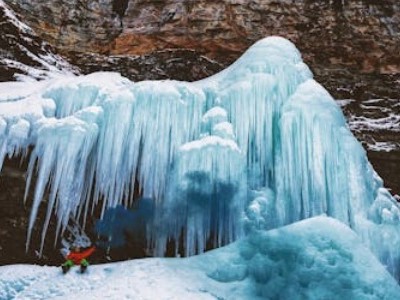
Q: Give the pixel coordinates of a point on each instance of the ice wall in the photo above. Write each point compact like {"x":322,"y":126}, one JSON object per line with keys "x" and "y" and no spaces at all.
{"x":259,"y":145}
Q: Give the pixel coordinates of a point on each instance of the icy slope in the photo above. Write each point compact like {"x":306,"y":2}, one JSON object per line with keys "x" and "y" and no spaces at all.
{"x":318,"y":258}
{"x":261,"y":137}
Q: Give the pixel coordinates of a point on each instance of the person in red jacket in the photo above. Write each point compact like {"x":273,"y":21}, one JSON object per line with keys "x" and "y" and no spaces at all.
{"x":77,"y":257}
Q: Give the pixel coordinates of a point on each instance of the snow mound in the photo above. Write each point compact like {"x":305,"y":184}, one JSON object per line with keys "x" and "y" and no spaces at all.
{"x":319,"y":258}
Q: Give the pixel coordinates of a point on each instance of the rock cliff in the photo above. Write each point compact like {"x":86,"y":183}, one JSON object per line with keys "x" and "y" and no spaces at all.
{"x":362,"y":35}
{"x":23,"y":55}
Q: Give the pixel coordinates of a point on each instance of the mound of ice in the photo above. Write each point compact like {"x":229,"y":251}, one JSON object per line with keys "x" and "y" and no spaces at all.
{"x":318,"y":258}
{"x":260,"y":138}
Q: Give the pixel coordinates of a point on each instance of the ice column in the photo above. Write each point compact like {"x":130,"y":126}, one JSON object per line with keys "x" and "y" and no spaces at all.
{"x":63,"y":156}
{"x":322,"y":168}
{"x":207,"y":190}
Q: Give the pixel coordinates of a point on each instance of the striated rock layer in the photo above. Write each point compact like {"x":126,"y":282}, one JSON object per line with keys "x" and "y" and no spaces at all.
{"x":363,"y":35}
{"x":23,"y":55}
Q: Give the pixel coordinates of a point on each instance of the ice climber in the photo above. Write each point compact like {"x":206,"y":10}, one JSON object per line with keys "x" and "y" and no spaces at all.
{"x":77,"y":257}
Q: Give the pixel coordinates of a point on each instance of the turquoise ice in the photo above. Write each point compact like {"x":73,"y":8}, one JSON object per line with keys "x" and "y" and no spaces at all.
{"x":258,"y":146}
{"x":314,"y":259}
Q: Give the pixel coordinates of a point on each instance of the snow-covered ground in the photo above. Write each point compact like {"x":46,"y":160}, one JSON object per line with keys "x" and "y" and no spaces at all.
{"x":319,"y":258}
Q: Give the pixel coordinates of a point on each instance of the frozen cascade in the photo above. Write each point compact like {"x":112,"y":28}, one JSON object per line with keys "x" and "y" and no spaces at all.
{"x":328,"y":162}
{"x":97,"y":148}
{"x":206,"y":190}
{"x":260,"y":139}
{"x":62,"y":151}
{"x":331,"y":174}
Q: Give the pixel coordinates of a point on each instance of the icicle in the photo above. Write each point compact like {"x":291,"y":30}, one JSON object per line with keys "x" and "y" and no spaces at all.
{"x":207,"y":191}
{"x":260,"y":137}
{"x":62,"y":151}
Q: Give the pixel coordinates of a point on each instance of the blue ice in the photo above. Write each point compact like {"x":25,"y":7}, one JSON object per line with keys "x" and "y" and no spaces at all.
{"x":259,"y":145}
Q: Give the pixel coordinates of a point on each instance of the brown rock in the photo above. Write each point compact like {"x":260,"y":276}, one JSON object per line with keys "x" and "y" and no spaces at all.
{"x":332,"y":34}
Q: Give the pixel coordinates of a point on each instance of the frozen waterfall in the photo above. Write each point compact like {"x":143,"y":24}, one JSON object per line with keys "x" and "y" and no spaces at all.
{"x":261,"y":143}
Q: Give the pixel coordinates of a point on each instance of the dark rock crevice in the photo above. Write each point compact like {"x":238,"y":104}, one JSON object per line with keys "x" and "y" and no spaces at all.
{"x":119,"y":7}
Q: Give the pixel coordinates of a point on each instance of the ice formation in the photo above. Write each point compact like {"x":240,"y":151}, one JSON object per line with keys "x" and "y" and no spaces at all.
{"x":259,"y":145}
{"x":207,"y":189}
{"x":317,"y":258}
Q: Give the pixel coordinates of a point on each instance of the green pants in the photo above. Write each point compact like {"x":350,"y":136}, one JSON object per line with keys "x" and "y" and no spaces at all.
{"x":69,"y":263}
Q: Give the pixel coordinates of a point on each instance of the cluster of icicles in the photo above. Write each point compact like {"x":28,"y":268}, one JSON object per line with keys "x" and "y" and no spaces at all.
{"x":259,"y":145}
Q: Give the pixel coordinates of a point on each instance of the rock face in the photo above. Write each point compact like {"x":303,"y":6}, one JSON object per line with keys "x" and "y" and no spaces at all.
{"x":179,"y":64}
{"x":76,"y":24}
{"x":23,"y":53}
{"x":363,"y":35}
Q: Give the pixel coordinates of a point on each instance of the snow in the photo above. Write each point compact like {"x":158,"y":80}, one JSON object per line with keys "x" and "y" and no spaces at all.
{"x":215,"y":112}
{"x":261,"y":136}
{"x":391,"y":122}
{"x":210,"y":141}
{"x":319,"y":258}
{"x":49,"y":64}
{"x":46,"y":71}
{"x":344,"y":102}
{"x":11,"y":16}
{"x":13,"y":91}
{"x":383,"y":146}
{"x":373,"y":120}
